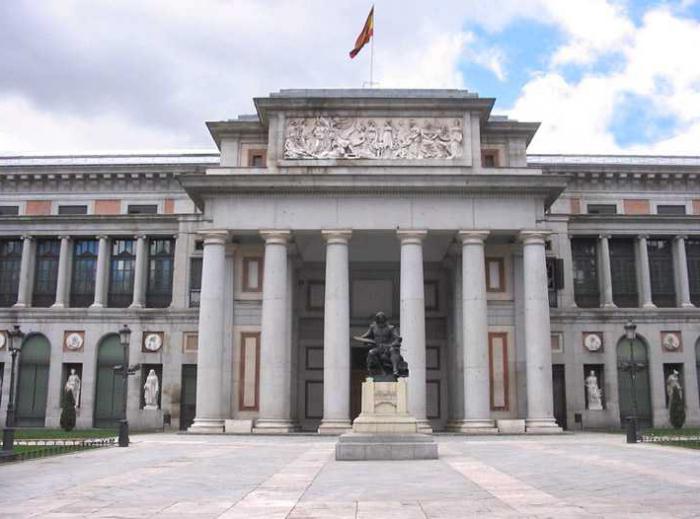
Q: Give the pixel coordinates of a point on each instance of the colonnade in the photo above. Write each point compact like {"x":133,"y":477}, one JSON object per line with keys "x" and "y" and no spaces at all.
{"x":64,"y":272}
{"x":275,"y":413}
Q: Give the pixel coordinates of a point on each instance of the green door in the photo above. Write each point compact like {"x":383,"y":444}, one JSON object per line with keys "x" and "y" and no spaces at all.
{"x":633,"y":362}
{"x":109,"y":393}
{"x":33,"y":381}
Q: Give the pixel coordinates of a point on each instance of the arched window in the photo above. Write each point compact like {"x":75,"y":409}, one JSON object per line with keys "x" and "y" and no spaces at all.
{"x":109,"y":392}
{"x":33,"y":381}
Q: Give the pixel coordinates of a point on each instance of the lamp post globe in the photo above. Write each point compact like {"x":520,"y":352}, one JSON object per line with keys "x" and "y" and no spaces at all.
{"x":124,"y":340}
{"x":15,"y":337}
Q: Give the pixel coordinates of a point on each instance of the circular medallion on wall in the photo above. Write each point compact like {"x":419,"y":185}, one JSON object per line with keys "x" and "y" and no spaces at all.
{"x":152,"y":342}
{"x":74,"y":341}
{"x":592,"y":342}
{"x":671,"y":341}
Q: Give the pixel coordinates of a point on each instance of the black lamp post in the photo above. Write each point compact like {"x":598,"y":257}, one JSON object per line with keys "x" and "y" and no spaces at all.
{"x":15,"y":337}
{"x":124,"y":370}
{"x":633,"y":368}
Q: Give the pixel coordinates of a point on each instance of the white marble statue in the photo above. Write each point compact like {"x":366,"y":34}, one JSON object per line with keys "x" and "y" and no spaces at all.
{"x":673,"y":381}
{"x":595,"y":394}
{"x":73,"y":385}
{"x":372,"y":138}
{"x":150,"y":390}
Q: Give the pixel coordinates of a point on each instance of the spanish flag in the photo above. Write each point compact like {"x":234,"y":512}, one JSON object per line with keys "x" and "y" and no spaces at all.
{"x":365,"y":35}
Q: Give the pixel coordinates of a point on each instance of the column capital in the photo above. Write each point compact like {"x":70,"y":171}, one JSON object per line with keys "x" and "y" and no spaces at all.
{"x":604,"y":236}
{"x":340,"y":236}
{"x":472,"y":237}
{"x":64,"y":237}
{"x":27,"y":237}
{"x":102,"y":237}
{"x":680,"y":237}
{"x":274,"y":236}
{"x":140,"y":236}
{"x":533,"y":237}
{"x":642,"y":237}
{"x":214,"y":237}
{"x":415,"y":236}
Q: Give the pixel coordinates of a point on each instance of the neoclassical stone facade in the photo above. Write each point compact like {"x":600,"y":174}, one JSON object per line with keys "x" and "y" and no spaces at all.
{"x":244,"y":274}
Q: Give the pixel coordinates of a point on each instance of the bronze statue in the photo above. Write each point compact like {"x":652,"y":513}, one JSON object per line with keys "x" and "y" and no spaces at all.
{"x":384,"y":358}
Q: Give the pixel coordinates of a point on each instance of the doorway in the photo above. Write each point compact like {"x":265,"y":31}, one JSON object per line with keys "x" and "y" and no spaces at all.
{"x":33,"y":381}
{"x":109,"y":395}
{"x":358,"y":373}
{"x":559,"y":394}
{"x":633,"y":381}
{"x":188,"y":396}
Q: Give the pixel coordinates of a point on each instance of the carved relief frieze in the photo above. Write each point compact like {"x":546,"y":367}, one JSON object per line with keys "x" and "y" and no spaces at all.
{"x":378,"y":138}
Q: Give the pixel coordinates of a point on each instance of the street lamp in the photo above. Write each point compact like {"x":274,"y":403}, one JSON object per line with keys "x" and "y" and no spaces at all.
{"x":124,"y":371}
{"x":633,"y":368}
{"x":8,"y":434}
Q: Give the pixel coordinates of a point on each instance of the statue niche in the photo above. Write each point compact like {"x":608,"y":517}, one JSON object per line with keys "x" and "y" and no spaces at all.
{"x":384,"y":360}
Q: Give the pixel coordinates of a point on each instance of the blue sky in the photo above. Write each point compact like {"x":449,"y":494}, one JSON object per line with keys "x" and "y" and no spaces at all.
{"x":602,"y":76}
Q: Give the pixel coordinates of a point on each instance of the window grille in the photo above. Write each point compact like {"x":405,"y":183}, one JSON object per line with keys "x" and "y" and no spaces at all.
{"x":585,"y":262}
{"x":82,"y":292}
{"x":663,"y":290}
{"x":46,"y":272}
{"x":195,"y":281}
{"x":624,"y":273}
{"x":10,"y":264}
{"x":160,"y":273}
{"x":121,"y":274}
{"x":692,"y":247}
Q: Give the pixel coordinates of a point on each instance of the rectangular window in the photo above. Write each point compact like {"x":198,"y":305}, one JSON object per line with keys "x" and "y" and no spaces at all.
{"x":195,"y":281}
{"x":249,"y":375}
{"x":257,"y":158}
{"x":624,"y":273}
{"x":670,"y":209}
{"x":10,"y":263}
{"x":72,"y":209}
{"x":585,"y":261}
{"x":46,"y":272}
{"x":495,"y":275}
{"x":498,"y":367}
{"x":142,"y":209}
{"x":82,"y":291}
{"x":489,"y":159}
{"x":692,"y":252}
{"x":121,"y":274}
{"x":252,"y":274}
{"x":601,"y":208}
{"x":555,"y":279}
{"x":9,"y":210}
{"x":663,"y":290}
{"x":160,"y":273}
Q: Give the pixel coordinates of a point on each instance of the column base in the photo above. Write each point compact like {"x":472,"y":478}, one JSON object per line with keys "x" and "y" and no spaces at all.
{"x":649,"y":306}
{"x":609,"y":306}
{"x":424,"y":427}
{"x":136,"y":305}
{"x":207,"y":426}
{"x":687,"y":305}
{"x":542,"y":426}
{"x":97,"y":305}
{"x":59,"y":306}
{"x":334,"y":427}
{"x":274,"y":426}
{"x":19,"y":305}
{"x":473,"y":426}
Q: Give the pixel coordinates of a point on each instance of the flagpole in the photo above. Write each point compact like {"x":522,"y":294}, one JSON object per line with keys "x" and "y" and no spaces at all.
{"x":371,"y":54}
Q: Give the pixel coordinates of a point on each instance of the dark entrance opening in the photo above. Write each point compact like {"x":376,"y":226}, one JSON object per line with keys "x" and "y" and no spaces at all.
{"x":559,"y":394}
{"x":358,"y":373}
{"x":188,"y":396}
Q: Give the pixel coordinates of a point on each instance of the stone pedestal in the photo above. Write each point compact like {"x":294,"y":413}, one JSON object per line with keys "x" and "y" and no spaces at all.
{"x":385,"y":430}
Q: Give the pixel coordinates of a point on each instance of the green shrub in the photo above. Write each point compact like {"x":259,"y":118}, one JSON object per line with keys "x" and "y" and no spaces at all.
{"x":676,"y":409}
{"x":68,"y":412}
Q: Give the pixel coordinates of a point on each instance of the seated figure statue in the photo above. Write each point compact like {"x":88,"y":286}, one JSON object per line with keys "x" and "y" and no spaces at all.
{"x":384,"y":357}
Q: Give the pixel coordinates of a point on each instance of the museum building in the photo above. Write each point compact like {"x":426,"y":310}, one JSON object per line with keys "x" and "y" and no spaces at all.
{"x":244,"y":275}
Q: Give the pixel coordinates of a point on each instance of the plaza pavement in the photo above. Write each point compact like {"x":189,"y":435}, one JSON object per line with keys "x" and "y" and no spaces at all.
{"x":183,"y":476}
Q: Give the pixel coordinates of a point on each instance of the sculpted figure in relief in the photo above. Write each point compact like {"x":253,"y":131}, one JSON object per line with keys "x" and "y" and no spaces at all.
{"x":673,"y":381}
{"x":595,"y":395}
{"x":372,"y":138}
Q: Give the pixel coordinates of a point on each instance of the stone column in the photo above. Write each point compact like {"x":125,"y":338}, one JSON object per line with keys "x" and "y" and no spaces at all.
{"x":141,"y":267}
{"x":210,"y":414}
{"x":538,"y":352}
{"x":412,"y":319}
{"x":475,"y":335}
{"x":275,"y":346}
{"x":680,"y":273}
{"x":336,"y":335}
{"x":643,"y":275}
{"x":63,"y":274}
{"x":101,"y":273}
{"x":567,"y":293}
{"x":605,"y":273}
{"x":26,"y":273}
